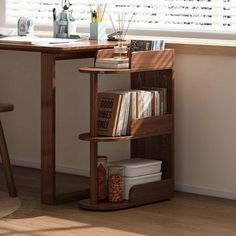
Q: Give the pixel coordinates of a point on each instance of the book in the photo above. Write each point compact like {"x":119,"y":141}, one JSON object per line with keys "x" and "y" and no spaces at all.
{"x":112,"y":60}
{"x":140,"y":45}
{"x":163,"y":100}
{"x":132,"y":110}
{"x":159,"y":101}
{"x":144,"y":104}
{"x":123,"y":114}
{"x":155,"y":103}
{"x":112,"y":63}
{"x":108,"y":113}
{"x":146,"y":45}
{"x":126,"y":114}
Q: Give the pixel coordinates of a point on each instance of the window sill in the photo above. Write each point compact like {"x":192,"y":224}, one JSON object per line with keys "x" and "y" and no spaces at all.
{"x":197,"y":46}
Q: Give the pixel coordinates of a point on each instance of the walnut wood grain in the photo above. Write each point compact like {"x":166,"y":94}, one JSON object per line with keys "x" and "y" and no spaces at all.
{"x":139,"y":195}
{"x":5,"y":107}
{"x":93,"y":70}
{"x":151,"y":137}
{"x":140,"y":128}
{"x":6,"y":160}
{"x":93,"y":143}
{"x":48,"y":128}
{"x":139,"y":62}
{"x":152,"y":60}
{"x":151,"y":126}
{"x":49,"y":55}
{"x":151,"y":192}
{"x":104,"y":205}
{"x":157,"y":147}
{"x":106,"y":53}
{"x":81,"y":46}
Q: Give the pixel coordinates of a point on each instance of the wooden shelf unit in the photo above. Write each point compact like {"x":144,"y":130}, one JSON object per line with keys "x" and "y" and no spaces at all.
{"x":151,"y":137}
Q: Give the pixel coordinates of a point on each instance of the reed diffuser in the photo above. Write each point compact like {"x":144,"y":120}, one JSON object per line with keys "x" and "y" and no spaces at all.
{"x":121,"y":51}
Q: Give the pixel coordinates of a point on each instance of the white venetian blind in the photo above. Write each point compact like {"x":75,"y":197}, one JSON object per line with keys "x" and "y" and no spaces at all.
{"x":179,"y":15}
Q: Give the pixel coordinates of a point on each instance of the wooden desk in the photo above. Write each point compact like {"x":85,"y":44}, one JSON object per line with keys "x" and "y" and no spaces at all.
{"x":49,"y":55}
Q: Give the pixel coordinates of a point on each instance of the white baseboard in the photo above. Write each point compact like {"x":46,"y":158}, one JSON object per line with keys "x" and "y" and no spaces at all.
{"x":205,"y":191}
{"x":62,"y":169}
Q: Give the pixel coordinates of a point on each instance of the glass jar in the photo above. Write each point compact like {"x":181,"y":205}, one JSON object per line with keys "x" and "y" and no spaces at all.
{"x":120,"y":51}
{"x":116,"y":183}
{"x":102,"y":177}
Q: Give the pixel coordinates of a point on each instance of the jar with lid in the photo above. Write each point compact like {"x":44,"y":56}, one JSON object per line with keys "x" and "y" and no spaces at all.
{"x":102,"y":177}
{"x":116,"y":183}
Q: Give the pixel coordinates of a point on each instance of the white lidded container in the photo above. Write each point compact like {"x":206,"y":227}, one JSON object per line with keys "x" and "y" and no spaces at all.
{"x":131,"y":181}
{"x":139,"y":166}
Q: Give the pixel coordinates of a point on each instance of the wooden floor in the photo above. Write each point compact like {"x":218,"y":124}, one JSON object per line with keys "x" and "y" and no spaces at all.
{"x":184,"y":215}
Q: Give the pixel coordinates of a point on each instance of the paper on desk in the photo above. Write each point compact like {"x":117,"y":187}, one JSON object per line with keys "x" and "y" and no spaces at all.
{"x":36,"y":40}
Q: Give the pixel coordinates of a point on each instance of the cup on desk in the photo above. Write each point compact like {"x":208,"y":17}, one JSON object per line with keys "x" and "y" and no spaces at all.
{"x":97,"y":31}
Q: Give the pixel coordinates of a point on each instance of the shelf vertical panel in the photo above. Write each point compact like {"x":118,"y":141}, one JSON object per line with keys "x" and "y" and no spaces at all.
{"x":93,"y":132}
{"x":157,"y":147}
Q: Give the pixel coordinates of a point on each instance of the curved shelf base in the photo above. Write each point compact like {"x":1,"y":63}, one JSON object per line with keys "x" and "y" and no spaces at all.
{"x":104,"y":206}
{"x":139,"y":195}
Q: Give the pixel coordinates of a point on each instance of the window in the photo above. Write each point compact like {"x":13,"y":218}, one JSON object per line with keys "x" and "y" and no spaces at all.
{"x":212,"y":16}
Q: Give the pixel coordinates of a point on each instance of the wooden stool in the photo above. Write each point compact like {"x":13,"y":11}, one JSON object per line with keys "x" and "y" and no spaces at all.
{"x":5,"y":156}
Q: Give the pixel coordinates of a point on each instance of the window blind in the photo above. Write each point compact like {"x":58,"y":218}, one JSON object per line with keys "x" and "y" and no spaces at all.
{"x":178,"y":15}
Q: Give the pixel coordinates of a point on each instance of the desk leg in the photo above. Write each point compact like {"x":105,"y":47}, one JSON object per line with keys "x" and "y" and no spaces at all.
{"x":48,"y":189}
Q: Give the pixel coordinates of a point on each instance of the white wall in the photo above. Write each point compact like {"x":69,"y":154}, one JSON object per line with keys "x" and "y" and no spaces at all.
{"x":2,"y":13}
{"x":205,"y":124}
{"x":204,"y":111}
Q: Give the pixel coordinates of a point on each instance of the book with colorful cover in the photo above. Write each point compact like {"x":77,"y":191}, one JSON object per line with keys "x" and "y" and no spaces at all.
{"x":108,"y":113}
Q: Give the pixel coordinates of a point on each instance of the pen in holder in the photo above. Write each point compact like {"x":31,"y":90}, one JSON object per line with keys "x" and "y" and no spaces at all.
{"x":97,"y":26}
{"x":97,"y":31}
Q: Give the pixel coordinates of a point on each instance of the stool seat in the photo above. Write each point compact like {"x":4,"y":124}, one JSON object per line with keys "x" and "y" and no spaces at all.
{"x":5,"y":107}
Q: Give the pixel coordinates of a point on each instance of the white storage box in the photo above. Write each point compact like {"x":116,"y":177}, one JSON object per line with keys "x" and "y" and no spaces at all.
{"x":139,"y":166}
{"x":131,"y":181}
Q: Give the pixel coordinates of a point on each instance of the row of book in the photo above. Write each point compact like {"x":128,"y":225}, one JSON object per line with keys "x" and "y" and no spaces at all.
{"x":146,"y":45}
{"x":116,"y":109}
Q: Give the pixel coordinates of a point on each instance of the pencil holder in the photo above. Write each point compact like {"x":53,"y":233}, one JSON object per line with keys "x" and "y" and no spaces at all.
{"x":97,"y":31}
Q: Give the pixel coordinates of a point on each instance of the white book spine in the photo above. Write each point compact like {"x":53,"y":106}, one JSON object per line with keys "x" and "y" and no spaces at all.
{"x":121,"y":117}
{"x":146,"y":104}
{"x":126,"y":115}
{"x":157,"y":103}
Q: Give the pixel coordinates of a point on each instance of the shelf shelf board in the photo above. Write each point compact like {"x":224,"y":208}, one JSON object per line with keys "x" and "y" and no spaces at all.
{"x":104,"y":206}
{"x":140,"y":61}
{"x":140,"y":128}
{"x":95,"y":70}
{"x":87,"y":137}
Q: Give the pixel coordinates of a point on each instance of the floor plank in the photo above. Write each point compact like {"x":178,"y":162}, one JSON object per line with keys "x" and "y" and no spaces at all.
{"x":184,"y":215}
